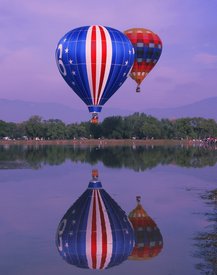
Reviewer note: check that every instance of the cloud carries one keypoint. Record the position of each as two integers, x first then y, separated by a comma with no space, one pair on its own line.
205,58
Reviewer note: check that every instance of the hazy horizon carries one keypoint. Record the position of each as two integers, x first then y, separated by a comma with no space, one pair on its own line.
23,110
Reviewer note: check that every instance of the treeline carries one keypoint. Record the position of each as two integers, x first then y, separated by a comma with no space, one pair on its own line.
138,125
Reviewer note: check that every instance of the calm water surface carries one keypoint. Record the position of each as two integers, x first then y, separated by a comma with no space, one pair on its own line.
39,184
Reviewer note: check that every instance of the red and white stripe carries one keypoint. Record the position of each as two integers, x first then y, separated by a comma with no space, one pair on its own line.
98,60
99,235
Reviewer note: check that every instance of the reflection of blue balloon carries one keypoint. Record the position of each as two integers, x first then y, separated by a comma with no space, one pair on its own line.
94,61
95,232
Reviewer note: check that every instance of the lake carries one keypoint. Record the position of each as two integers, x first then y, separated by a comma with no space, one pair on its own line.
38,184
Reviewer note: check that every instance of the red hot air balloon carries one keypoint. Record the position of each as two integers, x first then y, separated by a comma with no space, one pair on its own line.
148,48
148,239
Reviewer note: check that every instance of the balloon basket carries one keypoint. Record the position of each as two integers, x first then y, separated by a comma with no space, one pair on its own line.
138,90
94,119
95,174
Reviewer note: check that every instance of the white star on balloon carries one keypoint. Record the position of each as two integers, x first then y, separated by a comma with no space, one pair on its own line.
70,61
66,50
73,72
126,62
64,40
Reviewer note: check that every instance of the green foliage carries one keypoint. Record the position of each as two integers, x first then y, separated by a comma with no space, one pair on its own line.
4,129
112,127
167,129
138,158
54,129
95,130
137,125
34,127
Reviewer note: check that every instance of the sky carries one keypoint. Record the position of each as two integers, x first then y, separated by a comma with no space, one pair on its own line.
185,73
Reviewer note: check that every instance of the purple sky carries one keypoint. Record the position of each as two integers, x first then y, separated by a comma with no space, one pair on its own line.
185,73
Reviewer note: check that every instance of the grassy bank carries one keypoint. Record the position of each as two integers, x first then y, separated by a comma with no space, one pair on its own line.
101,142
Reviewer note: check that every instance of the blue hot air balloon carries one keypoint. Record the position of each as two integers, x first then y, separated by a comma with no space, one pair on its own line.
95,62
95,232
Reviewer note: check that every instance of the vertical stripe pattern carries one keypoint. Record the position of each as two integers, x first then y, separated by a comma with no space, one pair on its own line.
98,234
98,60
94,61
95,232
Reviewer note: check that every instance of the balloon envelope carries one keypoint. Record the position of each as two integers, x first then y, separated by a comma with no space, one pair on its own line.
95,62
148,238
148,48
95,232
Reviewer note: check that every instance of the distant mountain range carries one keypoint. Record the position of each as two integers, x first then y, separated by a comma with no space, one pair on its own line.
17,111
206,108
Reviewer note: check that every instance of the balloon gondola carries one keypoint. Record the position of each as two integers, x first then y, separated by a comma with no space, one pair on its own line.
148,48
94,61
148,238
95,233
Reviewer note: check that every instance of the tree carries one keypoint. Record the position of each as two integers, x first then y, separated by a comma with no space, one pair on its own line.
71,131
151,127
3,129
95,130
167,129
184,129
55,129
34,127
83,129
112,127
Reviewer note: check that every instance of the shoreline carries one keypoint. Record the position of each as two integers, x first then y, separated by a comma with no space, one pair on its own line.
104,142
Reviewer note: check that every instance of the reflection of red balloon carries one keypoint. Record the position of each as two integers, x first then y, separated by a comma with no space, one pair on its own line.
148,239
148,48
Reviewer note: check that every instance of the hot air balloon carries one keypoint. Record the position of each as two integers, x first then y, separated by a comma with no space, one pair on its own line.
148,238
95,233
148,48
94,61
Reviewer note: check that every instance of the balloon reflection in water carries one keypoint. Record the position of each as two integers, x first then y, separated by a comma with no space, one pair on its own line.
95,232
148,239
